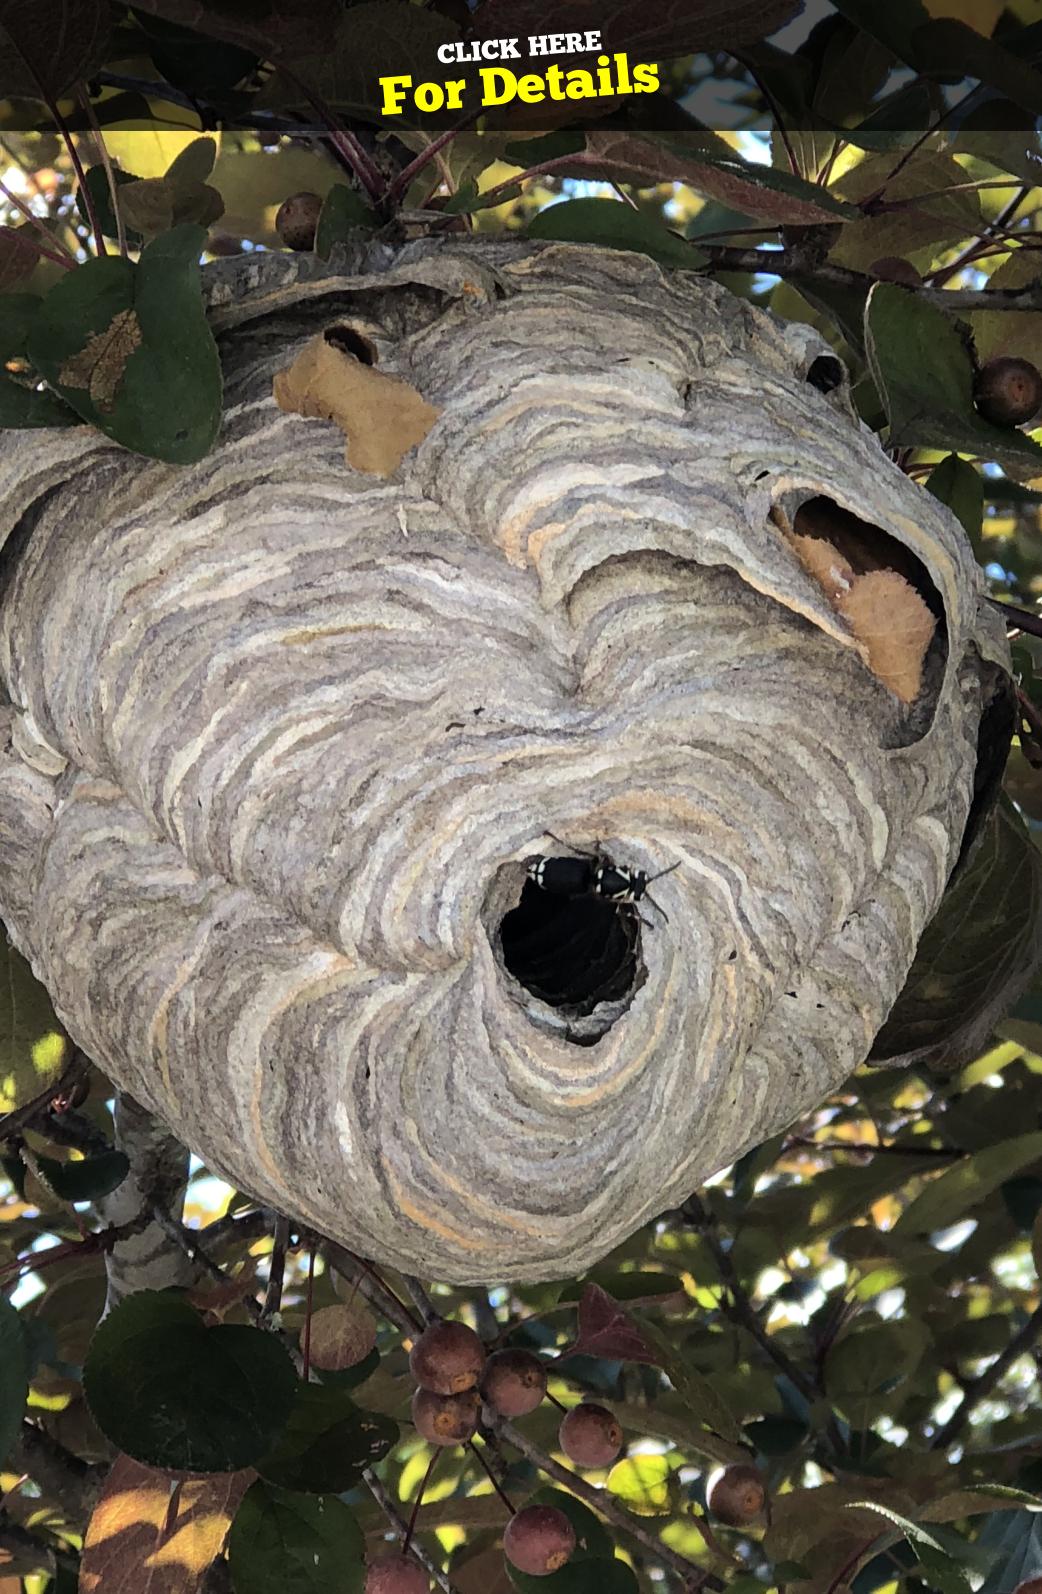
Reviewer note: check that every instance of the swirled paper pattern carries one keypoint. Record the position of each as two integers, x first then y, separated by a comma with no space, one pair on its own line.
281,737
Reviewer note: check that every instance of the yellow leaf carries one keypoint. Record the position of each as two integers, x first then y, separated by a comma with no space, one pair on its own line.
150,153
981,15
643,1482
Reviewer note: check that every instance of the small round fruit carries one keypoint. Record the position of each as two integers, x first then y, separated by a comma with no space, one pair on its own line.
396,1573
737,1495
296,220
895,268
341,1336
1008,391
590,1435
538,1540
447,1358
514,1382
445,1419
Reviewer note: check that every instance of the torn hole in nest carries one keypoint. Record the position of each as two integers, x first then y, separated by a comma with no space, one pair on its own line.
827,372
878,586
573,952
349,340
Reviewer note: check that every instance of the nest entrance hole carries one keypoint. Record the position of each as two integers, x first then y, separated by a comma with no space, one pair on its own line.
572,952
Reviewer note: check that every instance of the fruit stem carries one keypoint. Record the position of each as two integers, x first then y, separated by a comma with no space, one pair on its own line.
432,1463
492,1478
307,1313
420,1299
276,1268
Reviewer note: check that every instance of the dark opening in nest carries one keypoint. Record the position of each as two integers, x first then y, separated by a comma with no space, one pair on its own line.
572,952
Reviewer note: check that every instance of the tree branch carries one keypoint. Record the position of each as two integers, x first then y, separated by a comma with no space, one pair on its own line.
420,1299
388,1507
59,1473
981,1387
792,266
372,1286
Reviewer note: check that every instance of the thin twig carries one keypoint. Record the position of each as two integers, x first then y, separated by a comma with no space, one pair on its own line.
81,176
472,1447
400,185
308,1311
849,1565
788,264
187,1240
419,1297
110,176
804,1143
1022,620
390,1511
67,258
986,236
276,1268
59,1473
414,1513
78,1065
772,106
375,1289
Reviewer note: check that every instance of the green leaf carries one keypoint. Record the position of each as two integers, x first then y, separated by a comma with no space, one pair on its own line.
16,317
343,211
350,1377
327,1443
959,485
593,1575
924,375
342,67
707,164
285,1543
193,165
968,1183
942,1572
614,225
128,346
870,1360
914,229
892,22
1014,1540
14,1376
88,1179
173,1393
642,1482
951,50
49,45
976,955
696,1392
24,406
626,1286
153,205
97,185
33,1046
18,255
